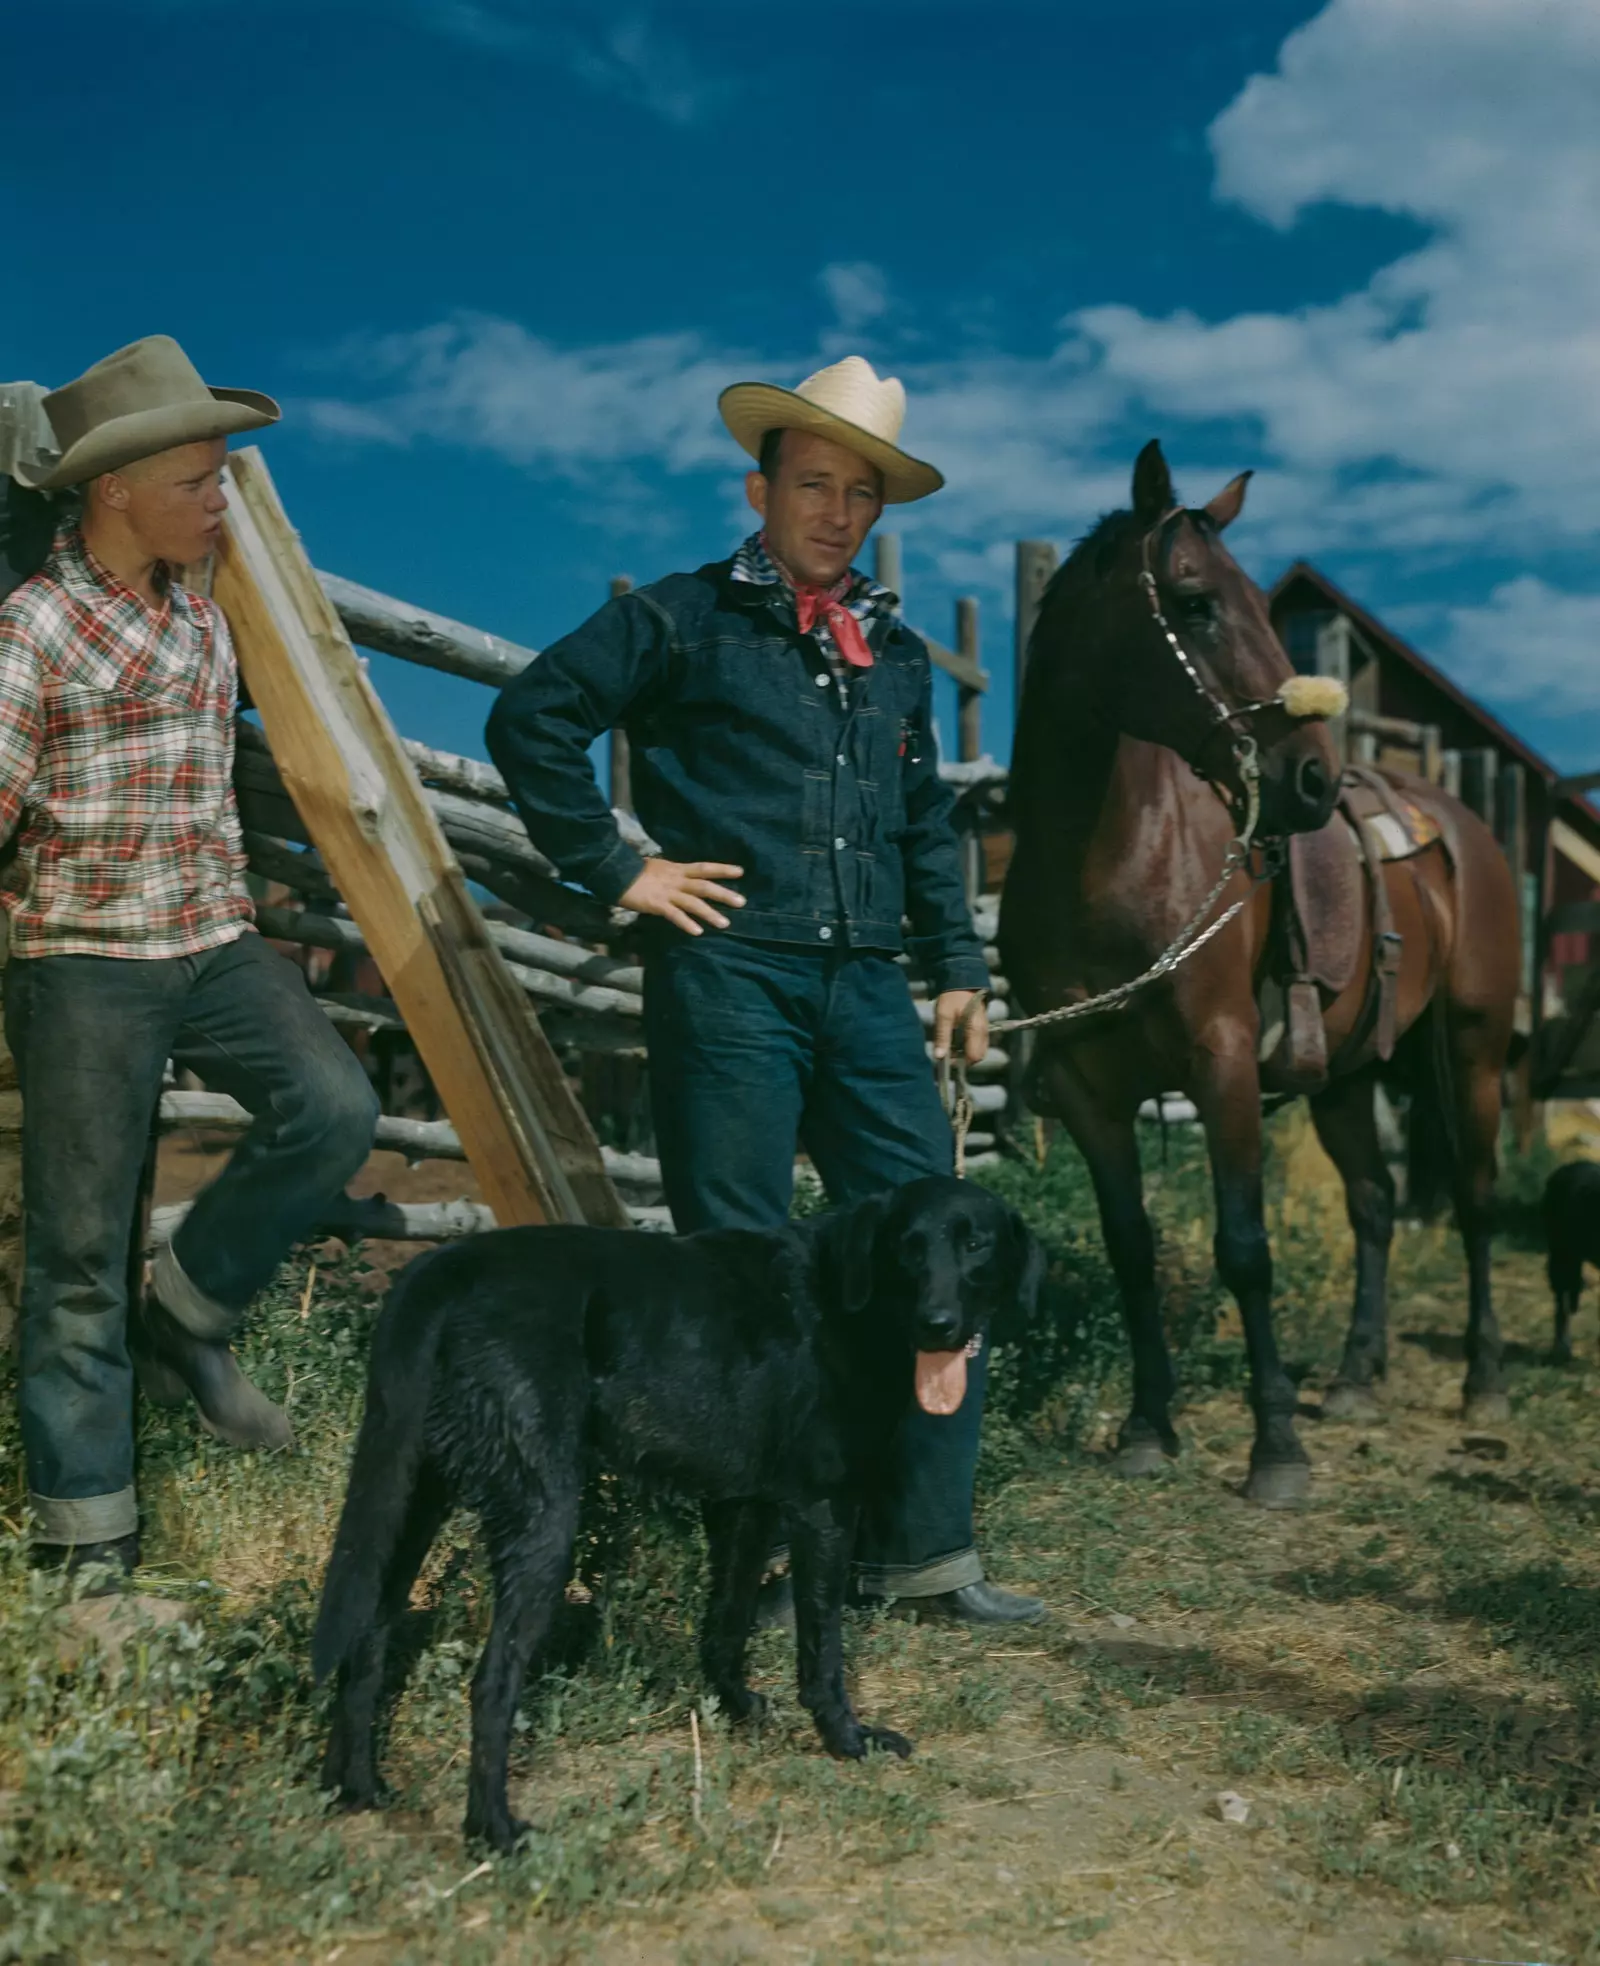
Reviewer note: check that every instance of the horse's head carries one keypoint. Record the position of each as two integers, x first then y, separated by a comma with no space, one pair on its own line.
1191,660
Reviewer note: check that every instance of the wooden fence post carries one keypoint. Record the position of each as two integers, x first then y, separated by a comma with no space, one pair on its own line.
1036,562
969,702
1512,813
887,567
1332,658
621,763
1450,772
1479,766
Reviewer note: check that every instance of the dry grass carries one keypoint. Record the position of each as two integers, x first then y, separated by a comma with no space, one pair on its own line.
1400,1680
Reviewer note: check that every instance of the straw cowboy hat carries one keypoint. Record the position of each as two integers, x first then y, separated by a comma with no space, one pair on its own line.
148,397
848,402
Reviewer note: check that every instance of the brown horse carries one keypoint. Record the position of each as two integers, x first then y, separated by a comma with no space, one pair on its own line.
1154,677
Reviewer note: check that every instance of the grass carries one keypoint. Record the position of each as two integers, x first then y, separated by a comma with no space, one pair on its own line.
1402,1679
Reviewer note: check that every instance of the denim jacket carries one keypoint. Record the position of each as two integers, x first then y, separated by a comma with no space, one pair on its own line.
745,750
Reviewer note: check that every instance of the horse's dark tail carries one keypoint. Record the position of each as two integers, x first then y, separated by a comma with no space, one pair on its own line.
1433,1141
383,1472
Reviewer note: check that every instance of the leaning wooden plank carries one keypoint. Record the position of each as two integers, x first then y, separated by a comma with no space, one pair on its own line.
529,1142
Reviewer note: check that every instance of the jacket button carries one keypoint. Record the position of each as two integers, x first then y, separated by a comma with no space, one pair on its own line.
840,844
824,934
820,681
840,759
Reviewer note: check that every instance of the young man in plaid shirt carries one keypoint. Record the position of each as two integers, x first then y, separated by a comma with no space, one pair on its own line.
132,942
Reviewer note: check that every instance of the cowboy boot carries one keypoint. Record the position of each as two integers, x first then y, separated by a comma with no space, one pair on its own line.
171,1363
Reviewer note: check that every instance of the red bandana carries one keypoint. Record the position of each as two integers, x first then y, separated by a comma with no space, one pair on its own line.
809,602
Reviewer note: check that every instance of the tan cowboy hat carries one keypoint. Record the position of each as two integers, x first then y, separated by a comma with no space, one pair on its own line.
848,402
148,397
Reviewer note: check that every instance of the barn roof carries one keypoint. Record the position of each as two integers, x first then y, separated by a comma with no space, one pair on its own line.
1302,575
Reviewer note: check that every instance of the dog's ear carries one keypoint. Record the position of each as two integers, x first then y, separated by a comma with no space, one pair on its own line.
858,1253
1025,1275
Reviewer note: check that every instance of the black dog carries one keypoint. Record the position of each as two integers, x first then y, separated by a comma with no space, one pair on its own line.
764,1372
1572,1238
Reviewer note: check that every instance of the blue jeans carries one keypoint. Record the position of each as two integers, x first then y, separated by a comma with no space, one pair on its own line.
755,1047
91,1036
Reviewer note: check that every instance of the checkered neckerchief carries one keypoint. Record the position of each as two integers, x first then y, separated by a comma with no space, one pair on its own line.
116,767
864,598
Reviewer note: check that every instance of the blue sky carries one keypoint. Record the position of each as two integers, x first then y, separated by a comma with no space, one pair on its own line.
497,257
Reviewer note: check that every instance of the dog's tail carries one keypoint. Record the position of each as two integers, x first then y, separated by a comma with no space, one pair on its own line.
383,1472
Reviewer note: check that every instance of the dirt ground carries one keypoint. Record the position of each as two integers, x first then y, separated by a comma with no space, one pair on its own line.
1397,1683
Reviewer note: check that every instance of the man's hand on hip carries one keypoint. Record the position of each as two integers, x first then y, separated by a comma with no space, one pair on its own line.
947,1012
683,894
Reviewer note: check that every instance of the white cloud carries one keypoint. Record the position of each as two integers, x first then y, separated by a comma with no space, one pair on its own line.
1529,644
857,291
627,56
488,384
1470,367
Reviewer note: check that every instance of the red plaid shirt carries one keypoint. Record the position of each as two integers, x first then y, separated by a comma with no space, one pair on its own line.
116,767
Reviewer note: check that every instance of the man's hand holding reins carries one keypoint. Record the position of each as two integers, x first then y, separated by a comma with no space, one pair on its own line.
948,1011
683,893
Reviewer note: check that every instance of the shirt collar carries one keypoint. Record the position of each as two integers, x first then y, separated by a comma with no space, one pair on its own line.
86,579
754,565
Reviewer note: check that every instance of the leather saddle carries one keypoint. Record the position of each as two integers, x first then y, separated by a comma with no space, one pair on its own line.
1329,890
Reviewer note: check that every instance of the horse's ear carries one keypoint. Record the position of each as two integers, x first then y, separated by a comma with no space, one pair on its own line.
1152,484
1229,502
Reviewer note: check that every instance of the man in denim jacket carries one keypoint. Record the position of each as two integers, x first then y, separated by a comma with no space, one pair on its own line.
780,725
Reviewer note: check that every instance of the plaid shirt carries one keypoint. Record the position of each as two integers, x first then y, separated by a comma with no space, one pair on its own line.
864,598
116,767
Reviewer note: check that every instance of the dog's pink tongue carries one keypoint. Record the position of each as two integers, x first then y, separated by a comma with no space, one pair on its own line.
941,1381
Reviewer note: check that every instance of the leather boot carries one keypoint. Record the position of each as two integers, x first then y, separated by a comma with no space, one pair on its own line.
171,1361
982,1603
120,1556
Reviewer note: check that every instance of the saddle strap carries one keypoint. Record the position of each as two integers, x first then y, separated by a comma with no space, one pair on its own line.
1380,1013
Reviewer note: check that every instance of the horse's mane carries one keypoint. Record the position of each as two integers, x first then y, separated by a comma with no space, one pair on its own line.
1092,555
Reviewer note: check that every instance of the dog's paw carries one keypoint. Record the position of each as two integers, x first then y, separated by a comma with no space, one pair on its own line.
885,1740
497,1828
847,1739
740,1704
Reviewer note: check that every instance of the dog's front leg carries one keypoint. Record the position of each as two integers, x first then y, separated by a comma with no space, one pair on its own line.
739,1537
821,1538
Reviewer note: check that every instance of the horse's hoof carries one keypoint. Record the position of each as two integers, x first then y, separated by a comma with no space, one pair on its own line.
1279,1485
1486,1409
1345,1401
1135,1460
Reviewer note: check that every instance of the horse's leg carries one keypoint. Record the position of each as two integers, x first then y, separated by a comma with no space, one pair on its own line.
1227,1094
1477,1099
1110,1147
1346,1124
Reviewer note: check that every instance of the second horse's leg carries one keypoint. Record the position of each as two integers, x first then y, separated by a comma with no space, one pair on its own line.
1477,1080
1346,1123
1227,1092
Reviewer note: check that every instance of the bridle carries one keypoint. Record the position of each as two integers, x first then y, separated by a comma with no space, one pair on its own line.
1232,720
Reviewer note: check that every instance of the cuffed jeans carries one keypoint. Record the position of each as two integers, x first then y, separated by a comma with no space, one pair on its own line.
91,1036
754,1047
